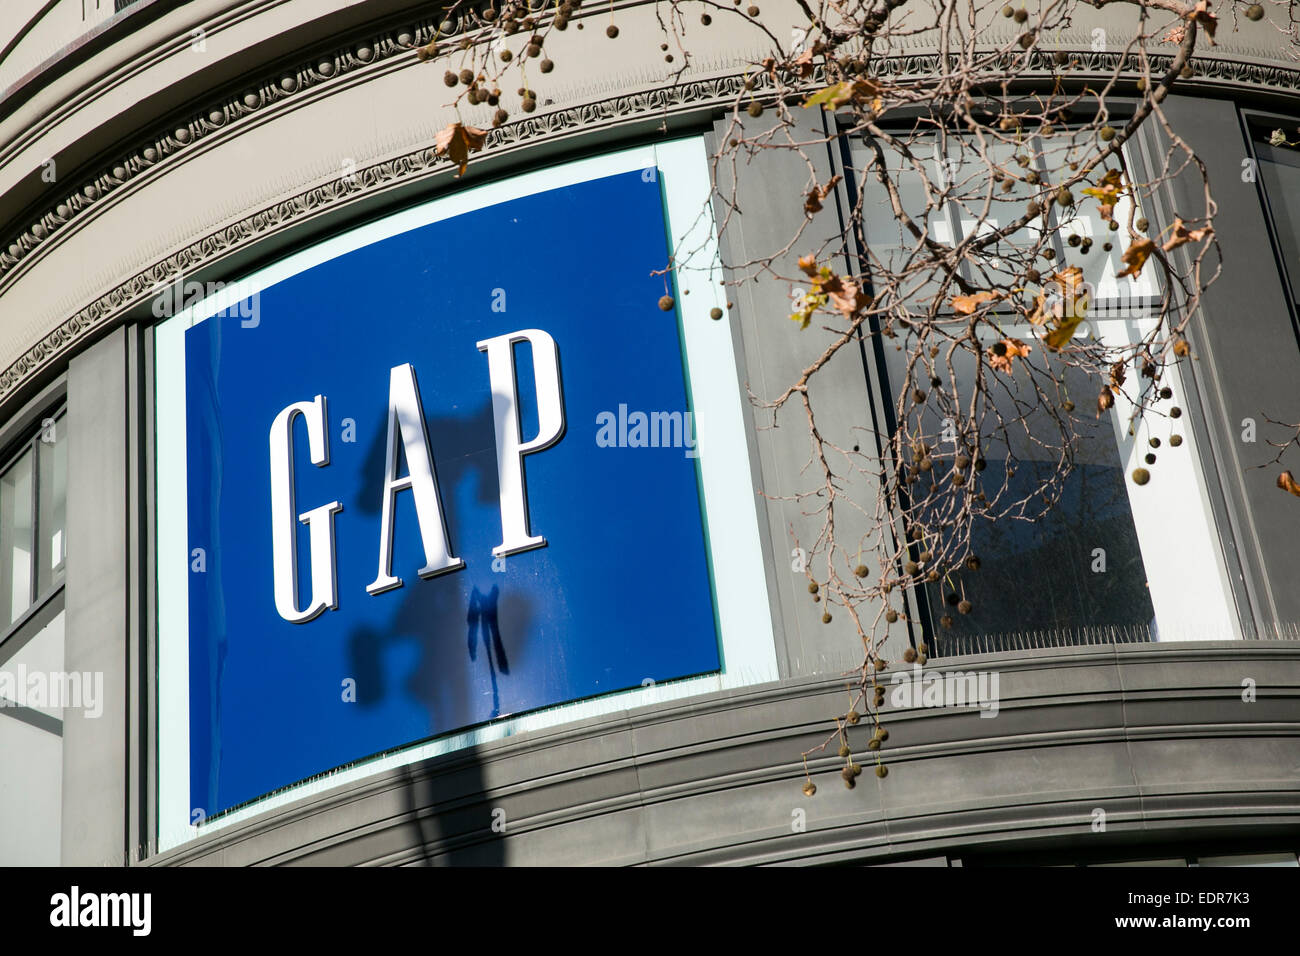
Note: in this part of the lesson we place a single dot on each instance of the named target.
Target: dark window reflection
(1042, 576)
(1074, 574)
(1279, 174)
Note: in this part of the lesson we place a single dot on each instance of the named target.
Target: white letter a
(406, 423)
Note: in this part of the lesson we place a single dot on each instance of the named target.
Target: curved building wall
(211, 141)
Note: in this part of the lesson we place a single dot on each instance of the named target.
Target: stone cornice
(259, 101)
(410, 167)
(1103, 717)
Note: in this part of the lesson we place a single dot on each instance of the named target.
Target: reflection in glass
(1077, 567)
(1279, 172)
(52, 451)
(16, 539)
(1092, 557)
(973, 196)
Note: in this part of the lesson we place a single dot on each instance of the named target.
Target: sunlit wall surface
(357, 509)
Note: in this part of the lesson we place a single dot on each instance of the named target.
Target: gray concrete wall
(1156, 736)
(173, 160)
(94, 750)
(768, 211)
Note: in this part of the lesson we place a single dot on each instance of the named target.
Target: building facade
(257, 331)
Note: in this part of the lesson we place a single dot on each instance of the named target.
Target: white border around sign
(732, 525)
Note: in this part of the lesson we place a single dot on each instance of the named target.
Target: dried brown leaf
(1201, 14)
(812, 202)
(967, 304)
(1180, 235)
(1001, 354)
(1136, 256)
(457, 141)
(847, 295)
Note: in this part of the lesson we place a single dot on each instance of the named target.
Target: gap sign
(403, 517)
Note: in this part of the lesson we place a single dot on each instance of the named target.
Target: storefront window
(1279, 175)
(1103, 560)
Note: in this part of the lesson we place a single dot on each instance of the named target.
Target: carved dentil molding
(273, 91)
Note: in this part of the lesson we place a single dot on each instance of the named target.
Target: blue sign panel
(440, 479)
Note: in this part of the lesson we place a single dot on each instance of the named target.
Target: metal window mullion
(878, 389)
(1053, 217)
(951, 209)
(32, 585)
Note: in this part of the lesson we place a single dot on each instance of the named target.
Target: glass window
(16, 528)
(1036, 572)
(1279, 175)
(33, 520)
(52, 455)
(1108, 560)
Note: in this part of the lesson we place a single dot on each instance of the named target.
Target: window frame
(23, 434)
(920, 624)
(1253, 123)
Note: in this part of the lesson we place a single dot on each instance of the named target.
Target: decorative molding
(273, 89)
(371, 179)
(269, 91)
